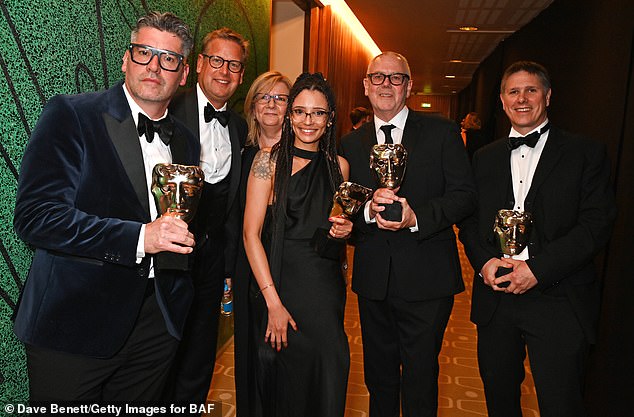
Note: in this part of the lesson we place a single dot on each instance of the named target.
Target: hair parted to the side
(529, 66)
(263, 84)
(166, 22)
(282, 152)
(229, 35)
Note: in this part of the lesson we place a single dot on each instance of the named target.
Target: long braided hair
(282, 152)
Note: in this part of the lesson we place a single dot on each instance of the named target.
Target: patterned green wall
(49, 47)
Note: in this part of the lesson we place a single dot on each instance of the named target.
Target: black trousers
(546, 325)
(193, 366)
(137, 373)
(401, 343)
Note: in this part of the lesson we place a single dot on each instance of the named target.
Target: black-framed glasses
(143, 55)
(265, 98)
(217, 62)
(397, 78)
(319, 116)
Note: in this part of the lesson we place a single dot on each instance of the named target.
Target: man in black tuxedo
(99, 322)
(222, 133)
(549, 302)
(406, 272)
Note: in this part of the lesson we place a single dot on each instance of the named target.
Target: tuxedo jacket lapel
(178, 147)
(125, 138)
(412, 128)
(368, 141)
(547, 161)
(236, 158)
(190, 114)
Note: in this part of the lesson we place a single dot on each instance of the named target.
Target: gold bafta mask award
(176, 190)
(512, 231)
(345, 203)
(388, 161)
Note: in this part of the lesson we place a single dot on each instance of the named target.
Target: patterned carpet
(460, 388)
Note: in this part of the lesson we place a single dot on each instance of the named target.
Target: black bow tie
(164, 128)
(528, 140)
(211, 113)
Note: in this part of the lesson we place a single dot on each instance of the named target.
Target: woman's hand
(341, 227)
(277, 327)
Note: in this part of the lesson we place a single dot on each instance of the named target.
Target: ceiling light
(450, 76)
(340, 8)
(468, 28)
(455, 61)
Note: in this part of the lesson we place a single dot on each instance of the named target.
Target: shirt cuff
(140, 246)
(414, 228)
(366, 214)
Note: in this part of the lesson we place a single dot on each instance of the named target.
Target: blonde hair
(264, 83)
(228, 35)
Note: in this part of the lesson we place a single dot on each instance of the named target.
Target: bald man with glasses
(406, 272)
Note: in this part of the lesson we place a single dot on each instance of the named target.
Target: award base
(393, 212)
(327, 246)
(171, 260)
(503, 271)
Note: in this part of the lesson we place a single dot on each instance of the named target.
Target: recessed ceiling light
(450, 76)
(468, 28)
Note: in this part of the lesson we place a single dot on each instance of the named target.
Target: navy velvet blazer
(82, 198)
(573, 210)
(439, 187)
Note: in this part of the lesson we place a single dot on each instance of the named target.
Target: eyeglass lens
(378, 78)
(317, 115)
(143, 55)
(278, 98)
(217, 62)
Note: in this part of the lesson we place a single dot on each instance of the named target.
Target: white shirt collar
(202, 100)
(515, 134)
(398, 120)
(136, 109)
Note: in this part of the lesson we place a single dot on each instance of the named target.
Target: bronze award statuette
(345, 203)
(388, 161)
(512, 231)
(176, 189)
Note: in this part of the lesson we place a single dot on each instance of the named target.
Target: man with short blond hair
(222, 133)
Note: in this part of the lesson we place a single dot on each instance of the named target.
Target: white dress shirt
(154, 153)
(398, 122)
(215, 143)
(524, 160)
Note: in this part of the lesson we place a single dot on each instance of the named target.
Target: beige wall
(287, 39)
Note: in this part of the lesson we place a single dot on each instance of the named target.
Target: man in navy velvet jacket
(99, 322)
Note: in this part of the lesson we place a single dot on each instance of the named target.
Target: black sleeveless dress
(309, 377)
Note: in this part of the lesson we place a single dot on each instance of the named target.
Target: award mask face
(349, 199)
(388, 162)
(176, 189)
(512, 229)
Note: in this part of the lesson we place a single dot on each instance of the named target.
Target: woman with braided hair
(298, 297)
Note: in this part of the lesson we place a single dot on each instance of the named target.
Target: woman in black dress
(297, 297)
(264, 109)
